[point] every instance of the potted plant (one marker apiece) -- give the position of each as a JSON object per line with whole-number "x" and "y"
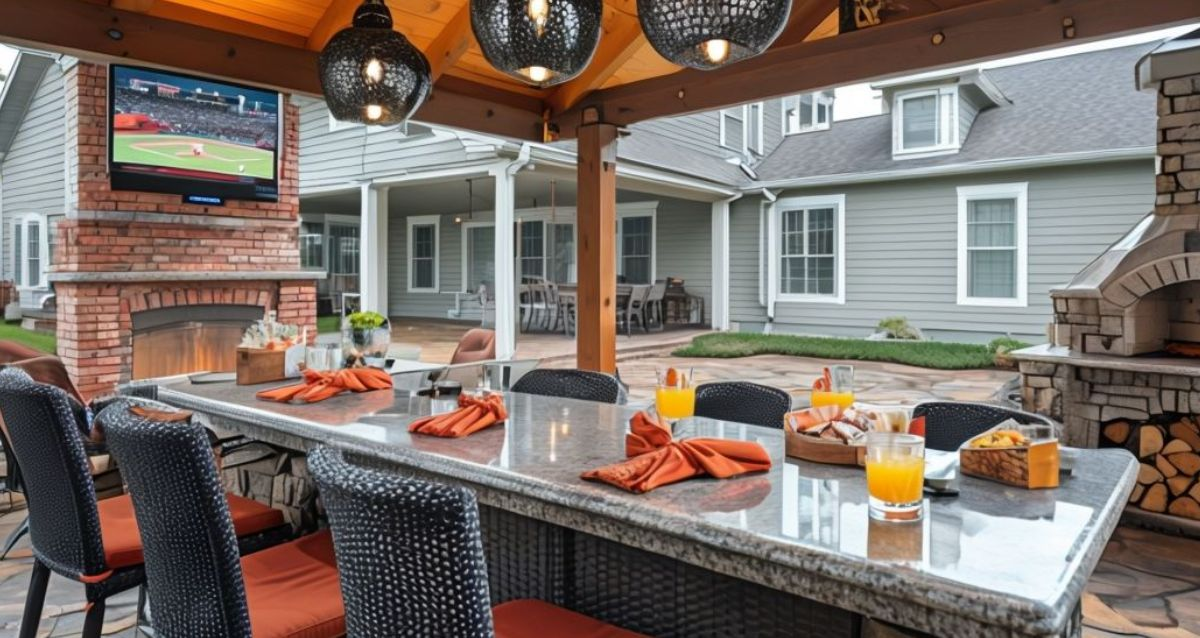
{"x": 365, "y": 339}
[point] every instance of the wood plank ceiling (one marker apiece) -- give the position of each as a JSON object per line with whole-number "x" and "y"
{"x": 275, "y": 42}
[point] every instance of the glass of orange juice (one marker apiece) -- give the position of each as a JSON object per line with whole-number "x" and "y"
{"x": 895, "y": 475}
{"x": 675, "y": 395}
{"x": 840, "y": 390}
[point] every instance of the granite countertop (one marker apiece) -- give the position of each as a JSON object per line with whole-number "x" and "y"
{"x": 1007, "y": 558}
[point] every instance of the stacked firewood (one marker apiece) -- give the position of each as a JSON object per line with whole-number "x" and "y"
{"x": 1169, "y": 452}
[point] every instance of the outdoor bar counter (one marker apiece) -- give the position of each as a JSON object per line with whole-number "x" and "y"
{"x": 787, "y": 552}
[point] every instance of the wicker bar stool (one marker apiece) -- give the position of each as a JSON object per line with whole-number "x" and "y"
{"x": 949, "y": 424}
{"x": 410, "y": 554}
{"x": 88, "y": 541}
{"x": 197, "y": 584}
{"x": 572, "y": 384}
{"x": 743, "y": 402}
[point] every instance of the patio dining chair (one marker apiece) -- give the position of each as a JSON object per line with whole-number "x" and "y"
{"x": 654, "y": 306}
{"x": 585, "y": 385}
{"x": 743, "y": 402}
{"x": 949, "y": 424}
{"x": 88, "y": 541}
{"x": 633, "y": 309}
{"x": 478, "y": 344}
{"x": 410, "y": 555}
{"x": 198, "y": 586}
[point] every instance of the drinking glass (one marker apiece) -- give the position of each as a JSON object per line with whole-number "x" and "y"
{"x": 840, "y": 391}
{"x": 895, "y": 475}
{"x": 675, "y": 396}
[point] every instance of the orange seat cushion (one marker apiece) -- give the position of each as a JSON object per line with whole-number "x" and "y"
{"x": 292, "y": 590}
{"x": 123, "y": 543}
{"x": 538, "y": 619}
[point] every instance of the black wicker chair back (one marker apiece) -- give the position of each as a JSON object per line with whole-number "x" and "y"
{"x": 572, "y": 384}
{"x": 409, "y": 553}
{"x": 743, "y": 402}
{"x": 191, "y": 552}
{"x": 63, "y": 521}
{"x": 949, "y": 424}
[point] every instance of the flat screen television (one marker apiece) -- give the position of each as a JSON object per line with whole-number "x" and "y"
{"x": 175, "y": 133}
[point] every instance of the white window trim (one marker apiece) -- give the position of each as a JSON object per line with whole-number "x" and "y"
{"x": 783, "y": 118}
{"x": 838, "y": 202}
{"x": 722, "y": 132}
{"x": 19, "y": 268}
{"x": 1020, "y": 192}
{"x": 759, "y": 147}
{"x": 952, "y": 143}
{"x": 425, "y": 220}
{"x": 652, "y": 213}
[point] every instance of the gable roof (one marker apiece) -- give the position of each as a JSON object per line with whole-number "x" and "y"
{"x": 1076, "y": 104}
{"x": 19, "y": 89}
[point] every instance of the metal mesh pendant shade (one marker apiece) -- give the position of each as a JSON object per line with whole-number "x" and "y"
{"x": 372, "y": 74}
{"x": 706, "y": 34}
{"x": 540, "y": 42}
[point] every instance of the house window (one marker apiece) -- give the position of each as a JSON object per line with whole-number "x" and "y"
{"x": 754, "y": 127}
{"x": 811, "y": 249}
{"x": 532, "y": 249}
{"x": 312, "y": 245}
{"x": 992, "y": 245}
{"x": 562, "y": 252}
{"x": 636, "y": 241}
{"x": 733, "y": 134}
{"x": 807, "y": 112}
{"x": 30, "y": 247}
{"x": 423, "y": 253}
{"x": 926, "y": 121}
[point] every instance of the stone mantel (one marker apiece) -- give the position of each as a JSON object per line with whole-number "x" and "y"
{"x": 144, "y": 276}
{"x": 1151, "y": 364}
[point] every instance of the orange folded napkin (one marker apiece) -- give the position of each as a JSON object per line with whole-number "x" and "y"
{"x": 319, "y": 386}
{"x": 655, "y": 459}
{"x": 473, "y": 414}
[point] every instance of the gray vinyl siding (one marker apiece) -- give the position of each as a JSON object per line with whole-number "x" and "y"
{"x": 699, "y": 131}
{"x": 33, "y": 170}
{"x": 401, "y": 302}
{"x": 352, "y": 154}
{"x": 684, "y": 244}
{"x": 901, "y": 250}
{"x": 744, "y": 257}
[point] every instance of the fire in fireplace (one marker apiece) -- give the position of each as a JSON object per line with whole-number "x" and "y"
{"x": 184, "y": 339}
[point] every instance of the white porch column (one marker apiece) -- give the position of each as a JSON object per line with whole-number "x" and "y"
{"x": 505, "y": 256}
{"x": 720, "y": 264}
{"x": 373, "y": 249}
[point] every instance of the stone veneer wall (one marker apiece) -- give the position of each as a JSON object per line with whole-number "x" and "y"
{"x": 156, "y": 235}
{"x": 1179, "y": 146}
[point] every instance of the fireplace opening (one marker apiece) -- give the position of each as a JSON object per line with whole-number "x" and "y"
{"x": 186, "y": 339}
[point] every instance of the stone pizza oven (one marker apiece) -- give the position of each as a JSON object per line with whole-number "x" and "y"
{"x": 1123, "y": 365}
{"x": 147, "y": 285}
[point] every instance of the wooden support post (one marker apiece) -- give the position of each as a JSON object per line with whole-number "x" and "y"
{"x": 596, "y": 205}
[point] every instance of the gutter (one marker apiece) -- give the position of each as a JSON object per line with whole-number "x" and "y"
{"x": 1040, "y": 161}
{"x": 635, "y": 170}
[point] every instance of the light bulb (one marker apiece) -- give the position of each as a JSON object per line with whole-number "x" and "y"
{"x": 539, "y": 12}
{"x": 539, "y": 73}
{"x": 715, "y": 51}
{"x": 374, "y": 70}
{"x": 374, "y": 112}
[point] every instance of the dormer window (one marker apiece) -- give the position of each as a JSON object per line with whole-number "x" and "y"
{"x": 926, "y": 122}
{"x": 807, "y": 112}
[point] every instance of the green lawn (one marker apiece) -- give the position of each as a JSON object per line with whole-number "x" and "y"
{"x": 176, "y": 151}
{"x": 926, "y": 354}
{"x": 329, "y": 323}
{"x": 39, "y": 340}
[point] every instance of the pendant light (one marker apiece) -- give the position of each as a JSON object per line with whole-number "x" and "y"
{"x": 707, "y": 34}
{"x": 372, "y": 74}
{"x": 540, "y": 42}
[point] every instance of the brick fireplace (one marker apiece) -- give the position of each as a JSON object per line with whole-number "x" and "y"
{"x": 1123, "y": 365}
{"x": 122, "y": 255}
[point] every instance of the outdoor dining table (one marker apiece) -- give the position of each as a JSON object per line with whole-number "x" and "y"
{"x": 789, "y": 552}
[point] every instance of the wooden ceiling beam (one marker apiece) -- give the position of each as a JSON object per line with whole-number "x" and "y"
{"x": 199, "y": 17}
{"x": 80, "y": 29}
{"x": 338, "y": 15}
{"x": 982, "y": 30}
{"x": 622, "y": 38}
{"x": 451, "y": 43}
{"x": 137, "y": 6}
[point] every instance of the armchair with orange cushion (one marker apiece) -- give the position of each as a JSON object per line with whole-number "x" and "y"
{"x": 478, "y": 344}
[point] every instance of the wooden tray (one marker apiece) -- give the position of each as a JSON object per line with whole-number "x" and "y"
{"x": 258, "y": 365}
{"x": 818, "y": 450}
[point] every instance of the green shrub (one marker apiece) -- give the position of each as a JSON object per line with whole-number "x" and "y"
{"x": 366, "y": 320}
{"x": 1005, "y": 345}
{"x": 898, "y": 328}
{"x": 925, "y": 354}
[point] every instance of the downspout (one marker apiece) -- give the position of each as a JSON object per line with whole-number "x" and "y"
{"x": 767, "y": 292}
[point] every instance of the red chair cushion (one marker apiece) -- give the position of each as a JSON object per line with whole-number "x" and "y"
{"x": 292, "y": 590}
{"x": 537, "y": 619}
{"x": 123, "y": 542}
